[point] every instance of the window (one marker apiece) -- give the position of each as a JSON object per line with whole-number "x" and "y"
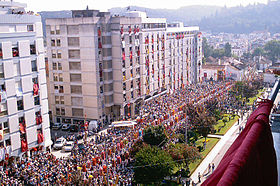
{"x": 59, "y": 54}
{"x": 59, "y": 66}
{"x": 72, "y": 29}
{"x": 56, "y": 88}
{"x": 52, "y": 42}
{"x": 76, "y": 89}
{"x": 124, "y": 86}
{"x": 75, "y": 77}
{"x": 58, "y": 43}
{"x": 53, "y": 54}
{"x": 30, "y": 28}
{"x": 8, "y": 142}
{"x": 20, "y": 105}
{"x": 57, "y": 29}
{"x": 77, "y": 101}
{"x": 62, "y": 111}
{"x": 52, "y": 29}
{"x": 54, "y": 66}
{"x": 15, "y": 51}
{"x": 35, "y": 80}
{"x": 32, "y": 49}
{"x": 3, "y": 109}
{"x": 62, "y": 100}
{"x": 73, "y": 41}
{"x": 1, "y": 71}
{"x": 34, "y": 65}
{"x": 57, "y": 111}
{"x": 58, "y": 120}
{"x": 74, "y": 54}
{"x": 60, "y": 76}
{"x": 36, "y": 100}
{"x": 55, "y": 77}
{"x": 56, "y": 99}
{"x": 61, "y": 89}
{"x": 77, "y": 112}
{"x": 74, "y": 65}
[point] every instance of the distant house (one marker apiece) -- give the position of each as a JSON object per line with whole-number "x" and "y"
{"x": 221, "y": 72}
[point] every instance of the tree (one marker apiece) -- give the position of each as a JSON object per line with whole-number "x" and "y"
{"x": 227, "y": 50}
{"x": 183, "y": 154}
{"x": 207, "y": 49}
{"x": 205, "y": 124}
{"x": 258, "y": 52}
{"x": 272, "y": 50}
{"x": 218, "y": 53}
{"x": 151, "y": 165}
{"x": 136, "y": 147}
{"x": 155, "y": 136}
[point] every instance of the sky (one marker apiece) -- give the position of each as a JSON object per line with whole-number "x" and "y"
{"x": 104, "y": 5}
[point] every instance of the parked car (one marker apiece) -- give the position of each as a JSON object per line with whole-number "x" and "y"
{"x": 68, "y": 146}
{"x": 65, "y": 127}
{"x": 81, "y": 147}
{"x": 59, "y": 143}
{"x": 74, "y": 128}
{"x": 57, "y": 126}
{"x": 90, "y": 133}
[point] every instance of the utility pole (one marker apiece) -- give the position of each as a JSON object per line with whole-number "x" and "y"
{"x": 186, "y": 130}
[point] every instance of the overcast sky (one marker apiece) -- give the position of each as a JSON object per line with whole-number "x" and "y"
{"x": 47, "y": 5}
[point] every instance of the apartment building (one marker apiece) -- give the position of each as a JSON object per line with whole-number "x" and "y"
{"x": 103, "y": 67}
{"x": 24, "y": 118}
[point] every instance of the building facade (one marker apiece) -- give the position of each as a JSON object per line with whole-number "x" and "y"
{"x": 24, "y": 118}
{"x": 110, "y": 64}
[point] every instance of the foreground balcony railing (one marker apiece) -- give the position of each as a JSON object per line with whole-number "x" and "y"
{"x": 251, "y": 159}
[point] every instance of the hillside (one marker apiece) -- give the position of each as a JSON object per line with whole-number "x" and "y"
{"x": 244, "y": 19}
{"x": 188, "y": 14}
{"x": 220, "y": 19}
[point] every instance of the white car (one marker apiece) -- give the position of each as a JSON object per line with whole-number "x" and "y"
{"x": 57, "y": 126}
{"x": 68, "y": 146}
{"x": 65, "y": 127}
{"x": 60, "y": 142}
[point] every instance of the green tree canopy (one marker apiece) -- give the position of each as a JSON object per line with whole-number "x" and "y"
{"x": 151, "y": 165}
{"x": 227, "y": 50}
{"x": 205, "y": 123}
{"x": 272, "y": 50}
{"x": 207, "y": 49}
{"x": 183, "y": 154}
{"x": 258, "y": 52}
{"x": 155, "y": 136}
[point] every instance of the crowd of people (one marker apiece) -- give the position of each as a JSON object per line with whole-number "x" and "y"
{"x": 105, "y": 158}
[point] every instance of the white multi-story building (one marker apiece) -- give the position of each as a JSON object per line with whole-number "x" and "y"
{"x": 24, "y": 118}
{"x": 104, "y": 66}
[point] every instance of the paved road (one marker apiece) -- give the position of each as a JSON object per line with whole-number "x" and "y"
{"x": 61, "y": 153}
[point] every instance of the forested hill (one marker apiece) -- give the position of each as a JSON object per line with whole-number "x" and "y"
{"x": 188, "y": 14}
{"x": 239, "y": 19}
{"x": 245, "y": 19}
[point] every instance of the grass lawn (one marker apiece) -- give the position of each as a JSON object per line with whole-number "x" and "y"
{"x": 252, "y": 99}
{"x": 228, "y": 124}
{"x": 209, "y": 146}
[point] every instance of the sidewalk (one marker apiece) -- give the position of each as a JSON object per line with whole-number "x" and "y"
{"x": 217, "y": 153}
